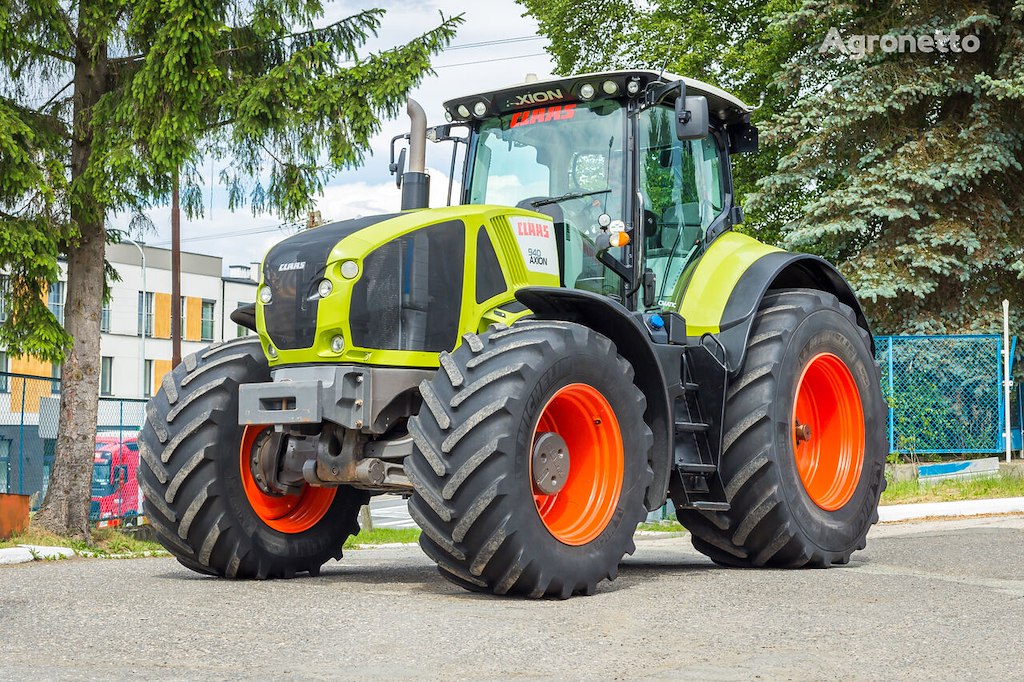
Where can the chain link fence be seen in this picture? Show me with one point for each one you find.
(945, 393)
(29, 417)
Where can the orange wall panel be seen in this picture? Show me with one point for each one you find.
(193, 318)
(160, 368)
(161, 316)
(29, 390)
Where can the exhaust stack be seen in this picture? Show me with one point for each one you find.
(415, 181)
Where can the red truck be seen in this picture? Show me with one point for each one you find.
(115, 489)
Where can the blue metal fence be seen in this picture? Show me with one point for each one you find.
(945, 393)
(29, 417)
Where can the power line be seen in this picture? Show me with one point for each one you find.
(485, 43)
(488, 61)
(235, 233)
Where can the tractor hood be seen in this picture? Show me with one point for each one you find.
(397, 288)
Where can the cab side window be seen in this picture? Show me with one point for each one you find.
(681, 184)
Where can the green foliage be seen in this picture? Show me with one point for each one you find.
(383, 536)
(912, 161)
(135, 89)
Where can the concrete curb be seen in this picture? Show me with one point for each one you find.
(24, 553)
(886, 514)
(924, 510)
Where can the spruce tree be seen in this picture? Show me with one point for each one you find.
(911, 161)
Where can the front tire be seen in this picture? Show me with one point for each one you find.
(199, 494)
(804, 447)
(531, 461)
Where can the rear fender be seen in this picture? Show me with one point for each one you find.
(626, 330)
(771, 272)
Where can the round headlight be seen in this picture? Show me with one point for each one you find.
(463, 111)
(448, 116)
(266, 295)
(587, 91)
(271, 351)
(633, 87)
(338, 343)
(324, 288)
(349, 269)
(480, 109)
(610, 87)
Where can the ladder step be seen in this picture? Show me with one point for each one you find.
(691, 427)
(695, 468)
(690, 386)
(711, 506)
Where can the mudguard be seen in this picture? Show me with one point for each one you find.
(728, 282)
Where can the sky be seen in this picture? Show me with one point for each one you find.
(240, 237)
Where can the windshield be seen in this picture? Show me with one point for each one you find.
(101, 474)
(565, 161)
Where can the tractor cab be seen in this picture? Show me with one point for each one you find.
(631, 167)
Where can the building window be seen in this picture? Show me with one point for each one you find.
(3, 369)
(105, 317)
(242, 331)
(106, 373)
(55, 301)
(146, 320)
(207, 330)
(149, 379)
(55, 375)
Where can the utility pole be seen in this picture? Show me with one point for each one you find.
(175, 273)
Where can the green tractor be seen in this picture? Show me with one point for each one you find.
(580, 338)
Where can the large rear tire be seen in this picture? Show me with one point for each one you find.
(198, 489)
(531, 461)
(804, 446)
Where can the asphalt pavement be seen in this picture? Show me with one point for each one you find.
(927, 600)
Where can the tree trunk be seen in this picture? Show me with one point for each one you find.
(65, 509)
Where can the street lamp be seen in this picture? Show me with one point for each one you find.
(142, 331)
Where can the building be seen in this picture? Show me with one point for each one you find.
(207, 300)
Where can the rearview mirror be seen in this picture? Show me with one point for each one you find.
(691, 117)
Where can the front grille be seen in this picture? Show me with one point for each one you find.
(409, 296)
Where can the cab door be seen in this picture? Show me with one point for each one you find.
(682, 189)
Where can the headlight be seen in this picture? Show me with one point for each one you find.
(266, 295)
(349, 269)
(587, 91)
(610, 87)
(480, 109)
(338, 343)
(324, 288)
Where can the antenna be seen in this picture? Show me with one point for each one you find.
(663, 67)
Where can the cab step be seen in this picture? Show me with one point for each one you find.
(711, 506)
(691, 427)
(696, 468)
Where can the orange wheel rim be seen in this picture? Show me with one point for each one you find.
(581, 510)
(285, 513)
(828, 431)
